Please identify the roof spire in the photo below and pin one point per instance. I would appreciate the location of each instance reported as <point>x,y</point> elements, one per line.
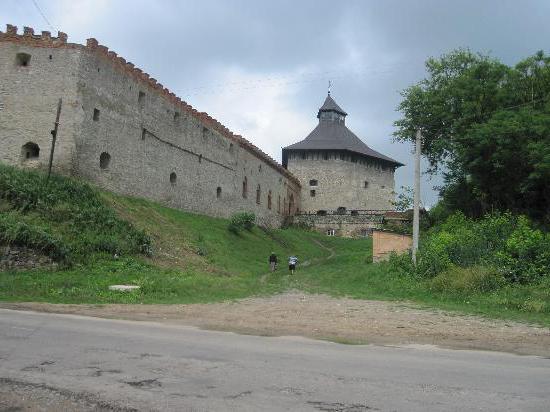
<point>329,86</point>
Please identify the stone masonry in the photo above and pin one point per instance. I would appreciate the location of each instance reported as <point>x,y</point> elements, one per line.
<point>125,132</point>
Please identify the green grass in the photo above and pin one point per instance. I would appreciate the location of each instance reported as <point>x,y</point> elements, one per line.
<point>349,274</point>
<point>196,259</point>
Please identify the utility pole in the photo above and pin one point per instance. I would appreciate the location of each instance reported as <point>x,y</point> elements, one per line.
<point>54,137</point>
<point>416,210</point>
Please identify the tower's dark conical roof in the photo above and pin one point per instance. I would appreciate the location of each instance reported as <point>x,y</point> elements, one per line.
<point>331,106</point>
<point>334,135</point>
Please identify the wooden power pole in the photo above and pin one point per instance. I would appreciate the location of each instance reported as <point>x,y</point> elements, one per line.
<point>416,207</point>
<point>54,137</point>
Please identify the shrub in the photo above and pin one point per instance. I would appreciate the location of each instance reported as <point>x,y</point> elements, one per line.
<point>525,256</point>
<point>241,221</point>
<point>503,241</point>
<point>13,232</point>
<point>464,281</point>
<point>73,212</point>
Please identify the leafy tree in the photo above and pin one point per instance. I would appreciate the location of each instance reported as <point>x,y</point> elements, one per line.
<point>487,126</point>
<point>404,200</point>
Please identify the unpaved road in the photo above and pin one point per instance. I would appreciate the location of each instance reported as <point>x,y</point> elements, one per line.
<point>52,362</point>
<point>324,317</point>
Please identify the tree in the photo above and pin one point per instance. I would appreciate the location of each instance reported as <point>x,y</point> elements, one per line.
<point>404,200</point>
<point>487,125</point>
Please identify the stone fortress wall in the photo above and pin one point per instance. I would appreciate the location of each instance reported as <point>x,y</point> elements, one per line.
<point>125,132</point>
<point>332,179</point>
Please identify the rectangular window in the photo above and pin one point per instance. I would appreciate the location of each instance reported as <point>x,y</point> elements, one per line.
<point>331,232</point>
<point>177,117</point>
<point>143,133</point>
<point>96,115</point>
<point>312,193</point>
<point>141,98</point>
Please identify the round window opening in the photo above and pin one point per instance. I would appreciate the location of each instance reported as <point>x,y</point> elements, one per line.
<point>104,160</point>
<point>173,178</point>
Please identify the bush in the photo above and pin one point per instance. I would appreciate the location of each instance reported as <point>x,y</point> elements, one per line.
<point>508,243</point>
<point>465,281</point>
<point>67,210</point>
<point>241,221</point>
<point>525,256</point>
<point>13,232</point>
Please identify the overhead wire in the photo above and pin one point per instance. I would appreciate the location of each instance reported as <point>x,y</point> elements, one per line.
<point>283,80</point>
<point>42,14</point>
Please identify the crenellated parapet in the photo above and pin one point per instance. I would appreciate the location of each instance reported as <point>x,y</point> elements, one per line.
<point>45,39</point>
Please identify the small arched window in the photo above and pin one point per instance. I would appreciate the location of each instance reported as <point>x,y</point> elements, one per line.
<point>258,195</point>
<point>245,188</point>
<point>29,151</point>
<point>269,200</point>
<point>218,193</point>
<point>313,182</point>
<point>104,160</point>
<point>365,184</point>
<point>173,178</point>
<point>23,59</point>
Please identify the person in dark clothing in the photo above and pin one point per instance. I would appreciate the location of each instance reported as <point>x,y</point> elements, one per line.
<point>273,261</point>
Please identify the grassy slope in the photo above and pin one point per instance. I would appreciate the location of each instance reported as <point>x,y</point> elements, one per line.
<point>349,274</point>
<point>196,259</point>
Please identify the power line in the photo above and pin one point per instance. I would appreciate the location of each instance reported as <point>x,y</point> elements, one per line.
<point>282,80</point>
<point>43,15</point>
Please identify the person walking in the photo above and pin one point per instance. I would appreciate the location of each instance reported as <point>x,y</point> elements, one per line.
<point>292,262</point>
<point>273,261</point>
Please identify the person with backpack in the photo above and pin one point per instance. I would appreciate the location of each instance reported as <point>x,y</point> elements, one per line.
<point>292,262</point>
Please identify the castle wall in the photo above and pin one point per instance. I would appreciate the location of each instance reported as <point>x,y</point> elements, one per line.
<point>132,136</point>
<point>341,183</point>
<point>29,96</point>
<point>340,225</point>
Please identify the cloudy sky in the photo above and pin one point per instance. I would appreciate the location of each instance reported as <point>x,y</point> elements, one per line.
<point>262,68</point>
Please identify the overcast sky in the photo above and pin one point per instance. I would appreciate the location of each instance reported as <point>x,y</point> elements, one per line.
<point>262,67</point>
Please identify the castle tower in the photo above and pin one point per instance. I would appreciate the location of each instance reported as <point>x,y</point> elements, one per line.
<point>337,170</point>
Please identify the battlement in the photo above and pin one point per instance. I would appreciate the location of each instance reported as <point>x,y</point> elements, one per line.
<point>28,38</point>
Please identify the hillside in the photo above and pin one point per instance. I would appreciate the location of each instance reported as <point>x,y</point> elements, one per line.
<point>100,239</point>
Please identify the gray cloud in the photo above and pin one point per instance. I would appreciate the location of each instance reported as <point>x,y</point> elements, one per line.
<point>262,67</point>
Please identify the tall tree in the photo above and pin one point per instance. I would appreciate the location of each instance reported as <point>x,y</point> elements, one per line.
<point>487,125</point>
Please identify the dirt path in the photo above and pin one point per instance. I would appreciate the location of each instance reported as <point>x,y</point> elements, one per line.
<point>324,317</point>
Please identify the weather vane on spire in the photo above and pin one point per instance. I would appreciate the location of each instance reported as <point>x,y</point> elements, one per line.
<point>329,86</point>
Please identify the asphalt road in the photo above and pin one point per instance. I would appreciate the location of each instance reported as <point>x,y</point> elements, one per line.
<point>55,362</point>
